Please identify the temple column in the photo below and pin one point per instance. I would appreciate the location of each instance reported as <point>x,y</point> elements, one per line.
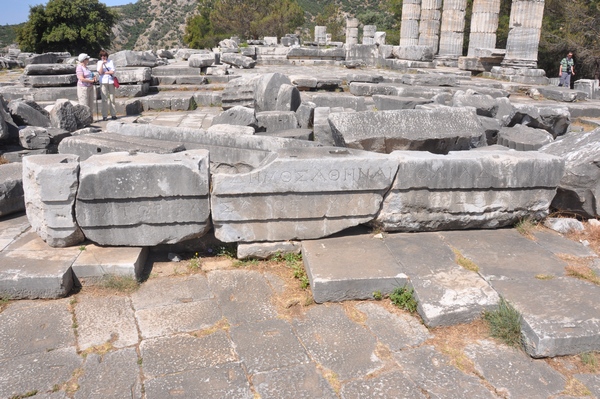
<point>484,24</point>
<point>369,34</point>
<point>321,35</point>
<point>452,31</point>
<point>409,29</point>
<point>524,33</point>
<point>429,27</point>
<point>352,31</point>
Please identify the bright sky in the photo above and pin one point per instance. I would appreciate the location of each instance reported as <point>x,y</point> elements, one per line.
<point>17,11</point>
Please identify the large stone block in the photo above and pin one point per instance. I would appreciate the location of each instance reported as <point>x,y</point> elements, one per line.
<point>201,60</point>
<point>438,131</point>
<point>63,116</point>
<point>469,189</point>
<point>11,189</point>
<point>129,58</point>
<point>24,114</point>
<point>274,121</point>
<point>34,138</point>
<point>413,53</point>
<point>237,115</point>
<point>238,60</point>
<point>144,199</point>
<point>555,120</point>
<point>50,184</point>
<point>579,189</point>
<point>267,89</point>
<point>344,101</point>
<point>523,138</point>
<point>50,69</point>
<point>386,103</point>
<point>300,194</point>
<point>133,75</point>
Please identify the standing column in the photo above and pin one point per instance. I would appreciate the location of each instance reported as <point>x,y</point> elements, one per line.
<point>351,31</point>
<point>524,33</point>
<point>429,27</point>
<point>452,30</point>
<point>321,35</point>
<point>409,29</point>
<point>369,34</point>
<point>484,24</point>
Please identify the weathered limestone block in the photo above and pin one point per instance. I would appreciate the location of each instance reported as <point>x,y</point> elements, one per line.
<point>469,189</point>
<point>11,188</point>
<point>274,121</point>
<point>224,148</point>
<point>266,250</point>
<point>201,60</point>
<point>429,25</point>
<point>129,58</point>
<point>305,114</point>
<point>484,24</point>
<point>372,89</point>
<point>429,79</point>
<point>451,29</point>
<point>230,129</point>
<point>485,105</point>
<point>87,145</point>
<point>133,90</point>
<point>185,53</point>
<point>368,53</point>
<point>8,128</point>
<point>237,115</point>
<point>333,54</point>
<point>63,116</point>
<point>523,138</point>
<point>48,80</point>
<point>555,120</point>
<point>240,92</point>
<point>409,29</point>
<point>320,35</point>
<point>525,27</point>
<point>34,137</point>
<point>298,134</point>
<point>438,131</point>
<point>175,70</point>
<point>288,98</point>
<point>387,103</point>
<point>133,75</point>
<point>414,52</point>
<point>344,101</point>
<point>50,184</point>
<point>364,78</point>
<point>24,114</point>
<point>238,60</point>
<point>83,115</point>
<point>579,189</point>
<point>300,194</point>
<point>564,94</point>
<point>144,199</point>
<point>50,69</point>
<point>267,90</point>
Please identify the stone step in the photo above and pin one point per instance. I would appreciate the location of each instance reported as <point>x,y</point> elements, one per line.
<point>559,313</point>
<point>96,262</point>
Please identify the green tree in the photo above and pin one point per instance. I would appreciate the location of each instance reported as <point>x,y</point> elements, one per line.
<point>331,17</point>
<point>67,25</point>
<point>199,31</point>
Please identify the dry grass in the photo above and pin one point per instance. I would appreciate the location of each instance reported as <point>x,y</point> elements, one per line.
<point>222,324</point>
<point>452,341</point>
<point>583,273</point>
<point>465,262</point>
<point>590,234</point>
<point>587,127</point>
<point>568,366</point>
<point>526,227</point>
<point>3,161</point>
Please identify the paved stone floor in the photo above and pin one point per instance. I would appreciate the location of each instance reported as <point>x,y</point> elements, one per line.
<point>248,330</point>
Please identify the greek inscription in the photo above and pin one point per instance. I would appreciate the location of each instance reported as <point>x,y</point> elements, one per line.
<point>286,177</point>
<point>345,174</point>
<point>334,174</point>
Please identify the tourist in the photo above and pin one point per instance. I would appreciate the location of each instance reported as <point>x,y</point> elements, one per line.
<point>85,82</point>
<point>567,68</point>
<point>106,70</point>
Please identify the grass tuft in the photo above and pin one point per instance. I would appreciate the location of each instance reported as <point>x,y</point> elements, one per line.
<point>404,298</point>
<point>542,276</point>
<point>589,360</point>
<point>505,323</point>
<point>122,284</point>
<point>583,273</point>
<point>25,395</point>
<point>465,262</point>
<point>195,262</point>
<point>525,227</point>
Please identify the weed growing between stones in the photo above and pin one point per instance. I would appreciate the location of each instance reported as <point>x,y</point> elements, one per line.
<point>465,262</point>
<point>82,247</point>
<point>294,262</point>
<point>525,227</point>
<point>583,273</point>
<point>195,262</point>
<point>228,251</point>
<point>404,298</point>
<point>544,276</point>
<point>25,395</point>
<point>589,360</point>
<point>3,161</point>
<point>121,284</point>
<point>3,303</point>
<point>574,387</point>
<point>505,323</point>
<point>377,295</point>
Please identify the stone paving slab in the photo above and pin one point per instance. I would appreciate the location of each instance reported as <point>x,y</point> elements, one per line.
<point>557,244</point>
<point>102,319</point>
<point>395,384</point>
<point>98,262</point>
<point>12,228</point>
<point>432,373</point>
<point>447,294</point>
<point>243,296</point>
<point>28,327</point>
<point>40,371</point>
<point>293,382</point>
<point>181,317</point>
<point>225,381</point>
<point>350,267</point>
<point>591,382</point>
<point>397,331</point>
<point>115,375</point>
<point>185,352</point>
<point>267,345</point>
<point>337,343</point>
<point>171,291</point>
<point>513,373</point>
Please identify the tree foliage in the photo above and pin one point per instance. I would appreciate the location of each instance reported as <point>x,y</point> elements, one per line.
<point>331,17</point>
<point>571,26</point>
<point>67,25</point>
<point>247,19</point>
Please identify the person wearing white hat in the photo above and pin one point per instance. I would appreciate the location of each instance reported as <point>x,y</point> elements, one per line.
<point>85,82</point>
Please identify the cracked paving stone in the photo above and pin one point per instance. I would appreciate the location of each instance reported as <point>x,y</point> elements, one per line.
<point>171,291</point>
<point>294,382</point>
<point>394,384</point>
